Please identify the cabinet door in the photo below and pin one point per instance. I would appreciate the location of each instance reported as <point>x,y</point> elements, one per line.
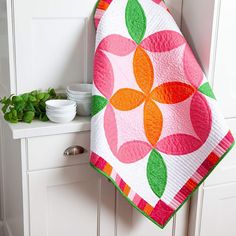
<point>225,73</point>
<point>132,223</point>
<point>70,201</point>
<point>218,212</point>
<point>54,43</point>
<point>226,171</point>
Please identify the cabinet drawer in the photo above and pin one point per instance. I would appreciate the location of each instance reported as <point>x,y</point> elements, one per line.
<point>48,151</point>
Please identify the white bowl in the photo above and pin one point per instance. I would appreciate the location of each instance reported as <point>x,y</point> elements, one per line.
<point>84,108</point>
<point>85,99</point>
<point>61,119</point>
<point>79,96</point>
<point>60,104</point>
<point>80,89</point>
<point>59,113</point>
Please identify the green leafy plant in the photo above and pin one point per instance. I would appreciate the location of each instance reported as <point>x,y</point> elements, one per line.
<point>28,106</point>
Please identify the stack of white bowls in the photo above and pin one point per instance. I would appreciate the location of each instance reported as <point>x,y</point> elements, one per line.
<point>60,111</point>
<point>82,95</point>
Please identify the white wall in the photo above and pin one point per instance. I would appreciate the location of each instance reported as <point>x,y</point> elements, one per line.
<point>4,59</point>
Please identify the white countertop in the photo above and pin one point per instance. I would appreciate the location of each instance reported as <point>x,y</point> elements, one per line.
<point>39,128</point>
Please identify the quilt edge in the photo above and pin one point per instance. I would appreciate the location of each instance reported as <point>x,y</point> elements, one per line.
<point>162,226</point>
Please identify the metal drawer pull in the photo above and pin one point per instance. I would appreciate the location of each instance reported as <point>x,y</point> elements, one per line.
<point>74,151</point>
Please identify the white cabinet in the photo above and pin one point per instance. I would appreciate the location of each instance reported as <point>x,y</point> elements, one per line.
<point>213,206</point>
<point>50,43</point>
<point>225,74</point>
<point>54,43</point>
<point>218,211</point>
<point>67,201</point>
<point>47,193</point>
<point>62,196</point>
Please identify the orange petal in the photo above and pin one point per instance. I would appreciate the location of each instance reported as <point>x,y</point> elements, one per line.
<point>127,99</point>
<point>173,92</point>
<point>103,5</point>
<point>153,122</point>
<point>143,70</point>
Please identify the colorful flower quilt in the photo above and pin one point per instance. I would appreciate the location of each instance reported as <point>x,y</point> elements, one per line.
<point>156,130</point>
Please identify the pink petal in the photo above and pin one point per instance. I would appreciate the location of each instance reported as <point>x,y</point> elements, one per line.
<point>117,45</point>
<point>163,41</point>
<point>157,1</point>
<point>110,127</point>
<point>133,151</point>
<point>201,116</point>
<point>178,144</point>
<point>192,70</point>
<point>103,74</point>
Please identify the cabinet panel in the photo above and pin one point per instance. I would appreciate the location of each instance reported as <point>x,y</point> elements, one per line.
<point>225,172</point>
<point>13,212</point>
<point>224,82</point>
<point>54,45</point>
<point>70,201</point>
<point>218,212</point>
<point>47,151</point>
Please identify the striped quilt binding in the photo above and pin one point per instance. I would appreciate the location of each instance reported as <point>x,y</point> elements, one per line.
<point>102,6</point>
<point>162,213</point>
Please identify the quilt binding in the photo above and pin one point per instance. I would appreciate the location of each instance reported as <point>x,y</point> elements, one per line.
<point>162,213</point>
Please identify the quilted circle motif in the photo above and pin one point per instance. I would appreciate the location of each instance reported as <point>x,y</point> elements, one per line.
<point>142,87</point>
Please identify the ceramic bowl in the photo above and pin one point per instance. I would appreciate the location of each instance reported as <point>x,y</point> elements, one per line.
<point>75,89</point>
<point>59,111</point>
<point>79,96</point>
<point>60,104</point>
<point>79,99</point>
<point>61,118</point>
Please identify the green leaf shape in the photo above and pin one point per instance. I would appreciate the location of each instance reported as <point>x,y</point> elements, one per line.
<point>28,116</point>
<point>157,173</point>
<point>27,106</point>
<point>98,103</point>
<point>135,20</point>
<point>207,90</point>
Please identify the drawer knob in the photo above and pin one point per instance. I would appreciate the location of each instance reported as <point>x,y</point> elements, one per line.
<point>74,151</point>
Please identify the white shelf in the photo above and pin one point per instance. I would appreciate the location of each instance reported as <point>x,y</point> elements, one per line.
<point>38,128</point>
